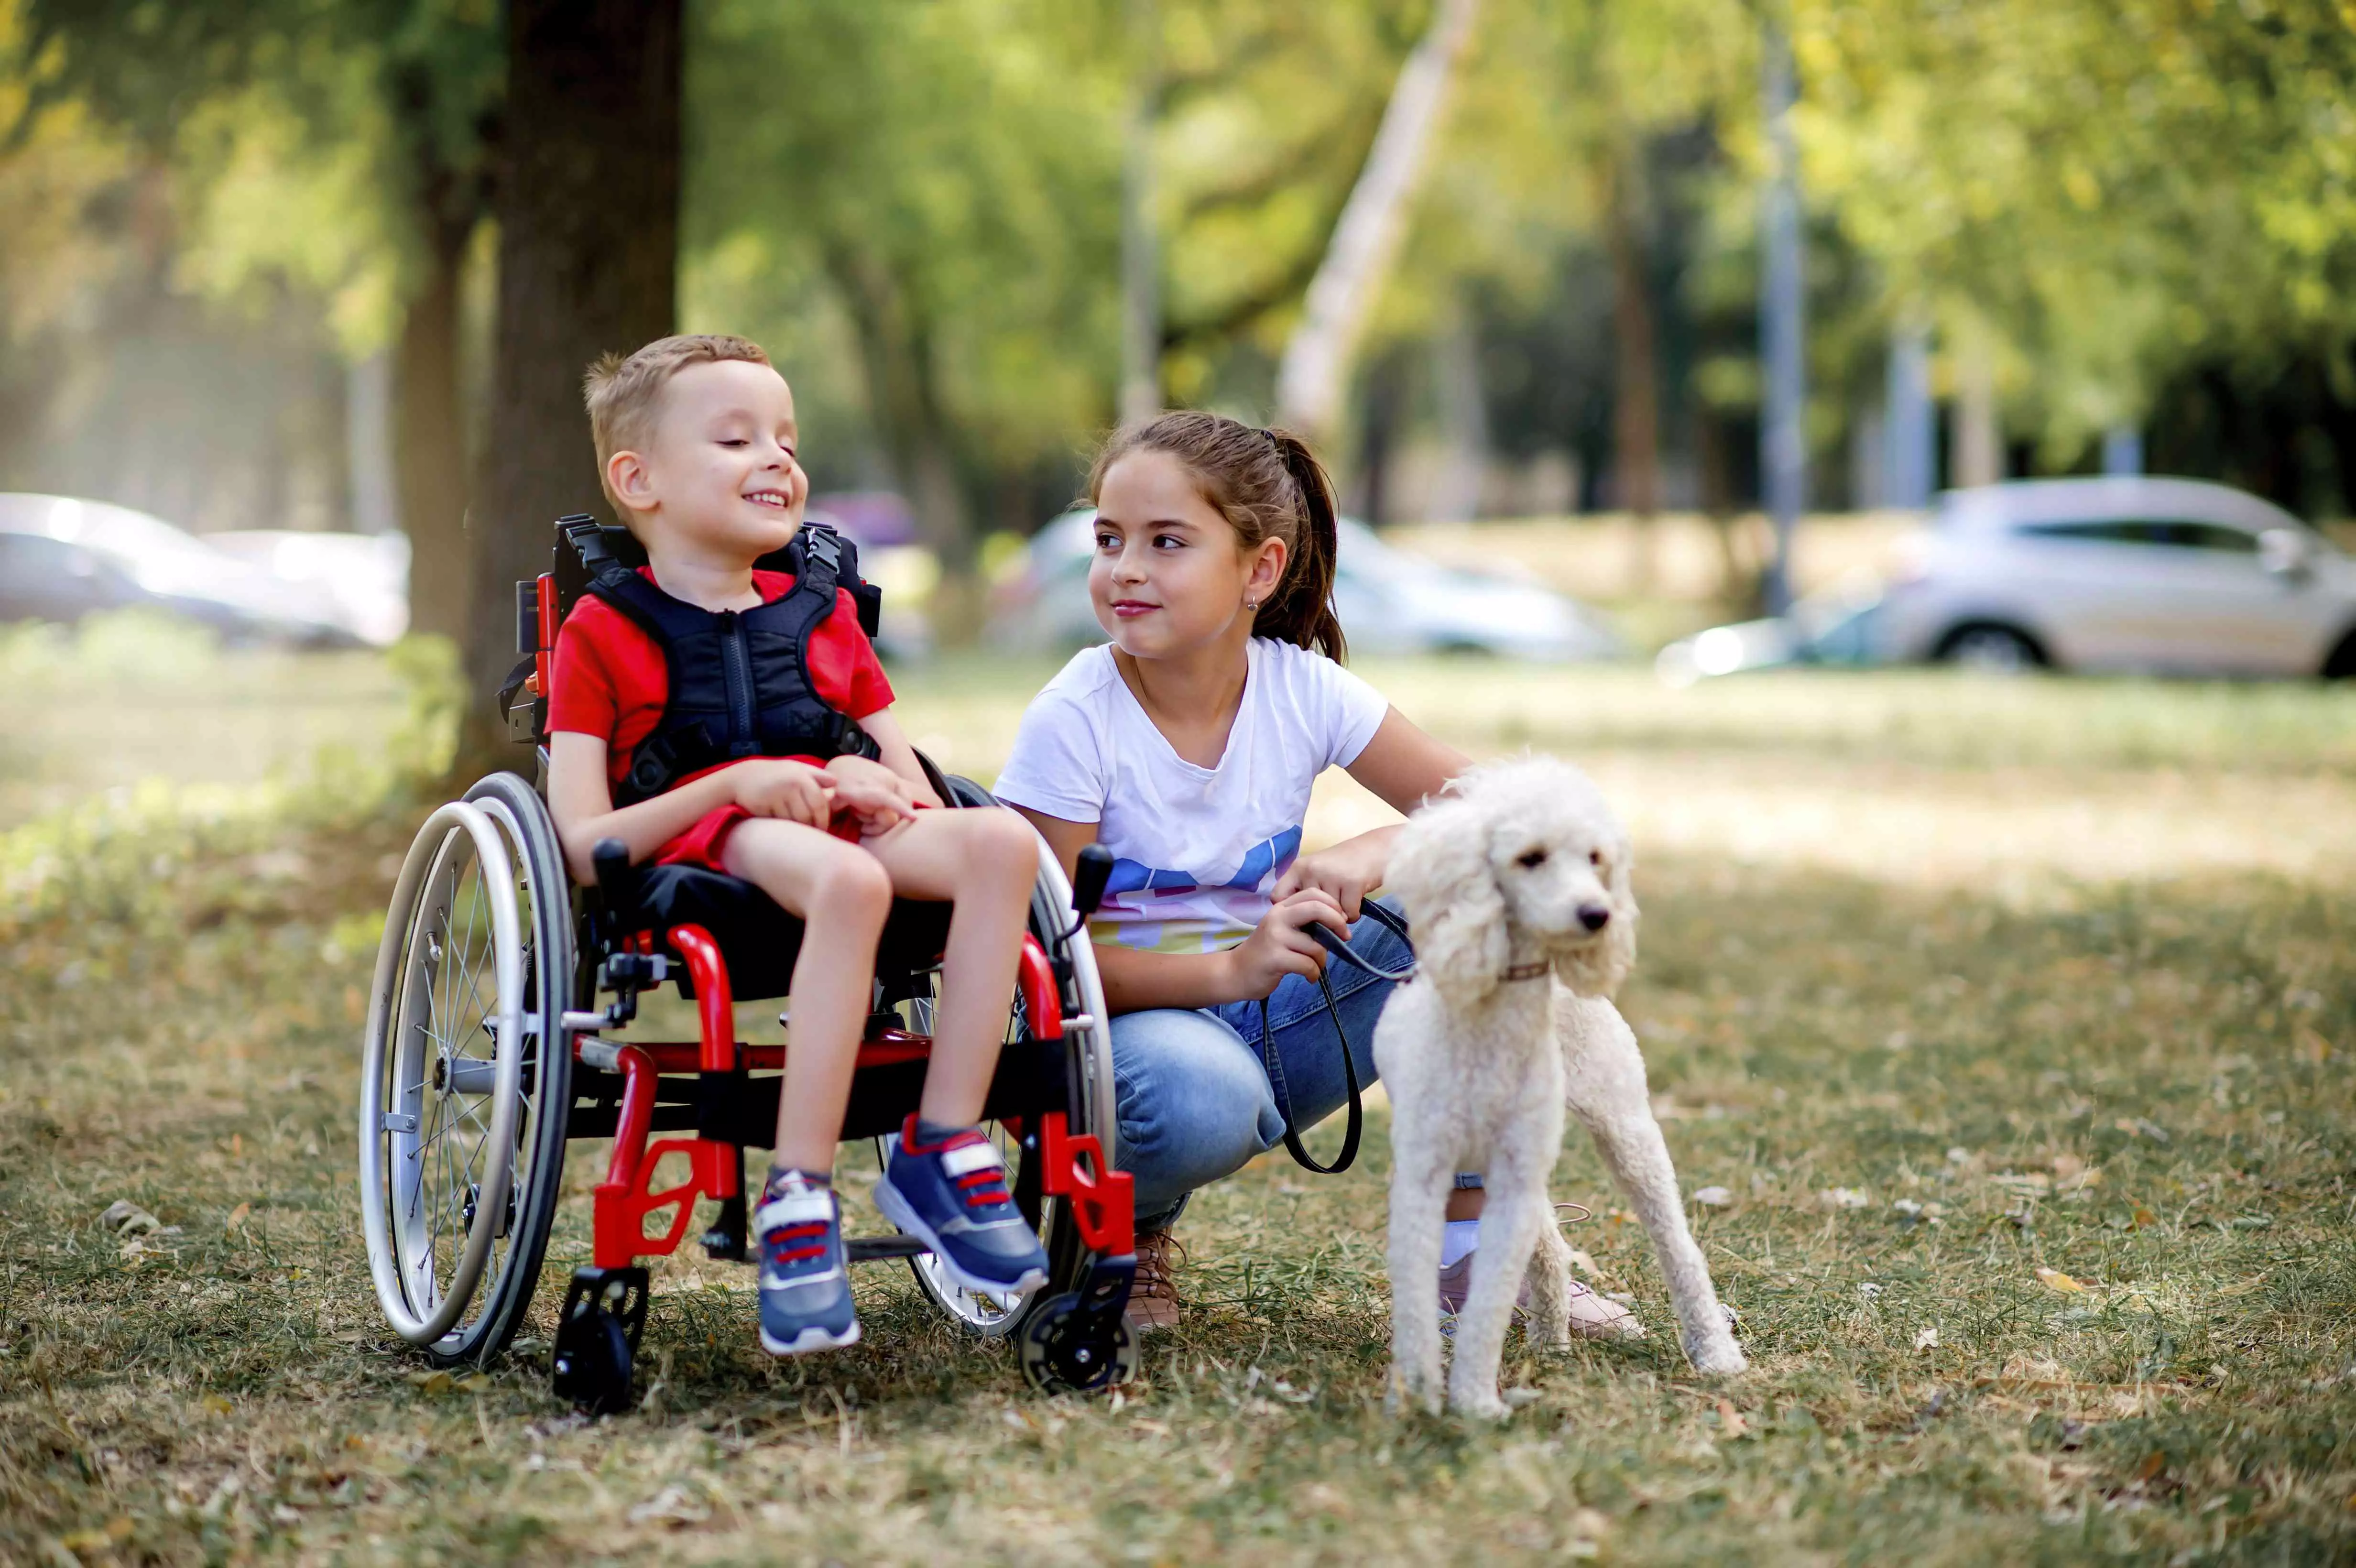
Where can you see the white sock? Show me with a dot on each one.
(1462, 1237)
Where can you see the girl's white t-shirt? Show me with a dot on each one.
(1197, 849)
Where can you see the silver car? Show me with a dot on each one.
(1389, 601)
(2162, 576)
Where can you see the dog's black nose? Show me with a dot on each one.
(1595, 917)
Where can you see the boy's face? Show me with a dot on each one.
(718, 474)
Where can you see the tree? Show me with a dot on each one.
(338, 145)
(588, 214)
(1313, 380)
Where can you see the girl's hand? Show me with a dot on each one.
(773, 786)
(1346, 873)
(879, 798)
(1278, 945)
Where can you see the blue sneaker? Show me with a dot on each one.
(804, 1283)
(952, 1196)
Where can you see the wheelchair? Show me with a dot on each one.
(498, 983)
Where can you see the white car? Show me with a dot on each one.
(63, 558)
(2161, 576)
(1390, 602)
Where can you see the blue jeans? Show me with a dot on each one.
(1193, 1092)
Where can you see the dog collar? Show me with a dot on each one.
(1526, 971)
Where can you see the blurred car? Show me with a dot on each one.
(61, 558)
(1390, 602)
(362, 579)
(883, 528)
(2153, 576)
(1837, 626)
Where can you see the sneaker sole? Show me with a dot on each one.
(814, 1338)
(896, 1209)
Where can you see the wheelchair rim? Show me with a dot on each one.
(420, 1306)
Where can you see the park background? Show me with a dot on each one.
(2011, 1018)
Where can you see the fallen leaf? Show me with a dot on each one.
(2138, 1127)
(2153, 1464)
(116, 1531)
(215, 1403)
(434, 1382)
(237, 1216)
(2066, 1165)
(2143, 1216)
(671, 1506)
(2246, 1287)
(126, 1218)
(2055, 1279)
(2312, 1048)
(1730, 1420)
(1713, 1197)
(1928, 1339)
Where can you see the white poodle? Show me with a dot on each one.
(1516, 882)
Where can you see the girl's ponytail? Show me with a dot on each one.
(1301, 611)
(1267, 485)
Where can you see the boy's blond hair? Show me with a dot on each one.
(623, 395)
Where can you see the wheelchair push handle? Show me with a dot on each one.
(1089, 879)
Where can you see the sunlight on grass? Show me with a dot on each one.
(2020, 1054)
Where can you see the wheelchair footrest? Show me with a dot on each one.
(867, 1249)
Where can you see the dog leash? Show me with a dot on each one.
(1355, 1124)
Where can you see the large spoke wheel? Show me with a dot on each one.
(466, 1079)
(1089, 1058)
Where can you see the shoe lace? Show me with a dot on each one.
(798, 1242)
(981, 1187)
(1156, 1272)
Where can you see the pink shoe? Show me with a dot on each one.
(1591, 1316)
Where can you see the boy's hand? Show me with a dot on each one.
(1278, 945)
(879, 798)
(1346, 873)
(773, 786)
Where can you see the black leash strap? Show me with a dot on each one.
(1339, 947)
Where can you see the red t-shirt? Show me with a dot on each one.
(611, 680)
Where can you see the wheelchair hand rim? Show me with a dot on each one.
(426, 852)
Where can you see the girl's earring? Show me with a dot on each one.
(1251, 603)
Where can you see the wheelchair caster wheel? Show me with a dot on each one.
(597, 1338)
(1068, 1349)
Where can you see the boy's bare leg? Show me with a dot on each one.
(843, 895)
(985, 863)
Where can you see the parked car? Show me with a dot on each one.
(2158, 576)
(1390, 602)
(61, 558)
(362, 580)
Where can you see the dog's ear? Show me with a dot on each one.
(1441, 871)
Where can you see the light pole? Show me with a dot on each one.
(1783, 437)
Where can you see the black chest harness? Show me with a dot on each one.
(739, 680)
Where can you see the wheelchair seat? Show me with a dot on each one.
(760, 939)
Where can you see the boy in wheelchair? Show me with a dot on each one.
(710, 715)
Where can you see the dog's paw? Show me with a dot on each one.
(1479, 1405)
(1718, 1357)
(1408, 1393)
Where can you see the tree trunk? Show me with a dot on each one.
(1635, 395)
(904, 400)
(1141, 248)
(1978, 445)
(430, 442)
(588, 208)
(1314, 374)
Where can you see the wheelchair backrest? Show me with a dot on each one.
(586, 547)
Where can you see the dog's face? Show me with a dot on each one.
(1519, 860)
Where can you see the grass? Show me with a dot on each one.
(1947, 1069)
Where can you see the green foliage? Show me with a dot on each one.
(2113, 190)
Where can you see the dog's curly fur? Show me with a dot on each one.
(1518, 863)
